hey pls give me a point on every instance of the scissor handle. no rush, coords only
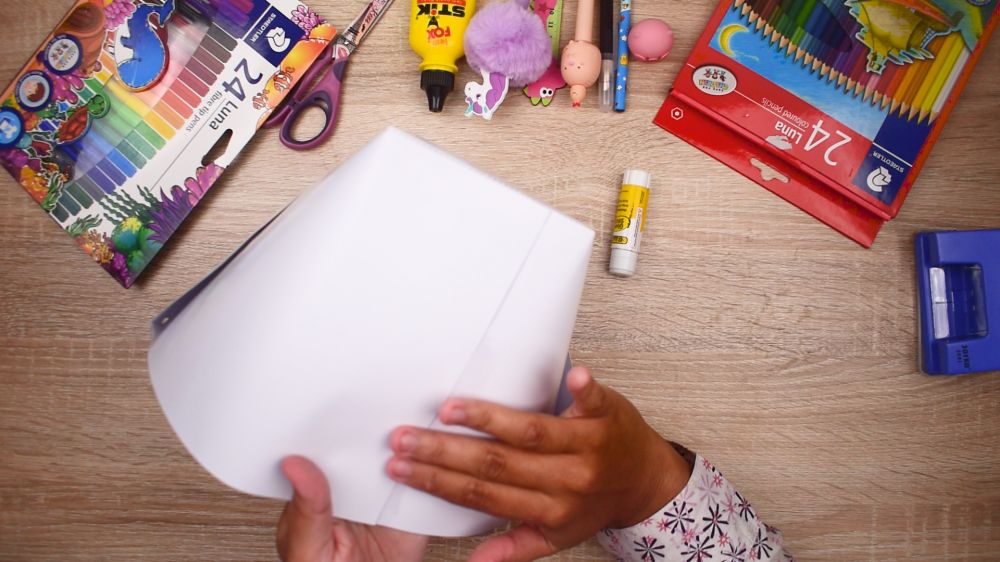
(326, 96)
(279, 115)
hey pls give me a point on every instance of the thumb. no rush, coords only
(590, 398)
(304, 531)
(521, 544)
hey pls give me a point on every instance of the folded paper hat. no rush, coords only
(403, 278)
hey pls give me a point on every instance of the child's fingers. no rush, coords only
(520, 544)
(535, 432)
(312, 492)
(304, 527)
(501, 500)
(590, 398)
(484, 459)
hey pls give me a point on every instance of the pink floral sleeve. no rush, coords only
(709, 521)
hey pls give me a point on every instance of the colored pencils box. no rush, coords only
(831, 104)
(109, 126)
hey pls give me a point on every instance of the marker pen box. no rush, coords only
(109, 126)
(958, 293)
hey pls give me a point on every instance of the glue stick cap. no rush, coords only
(634, 176)
(624, 257)
(623, 263)
(438, 84)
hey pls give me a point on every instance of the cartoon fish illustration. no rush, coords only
(485, 98)
(541, 91)
(141, 54)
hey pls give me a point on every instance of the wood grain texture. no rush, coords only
(752, 334)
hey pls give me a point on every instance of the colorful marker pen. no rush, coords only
(630, 221)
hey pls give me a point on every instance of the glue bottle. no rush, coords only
(630, 221)
(437, 29)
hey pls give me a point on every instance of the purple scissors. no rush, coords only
(321, 84)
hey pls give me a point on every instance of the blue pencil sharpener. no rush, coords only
(958, 292)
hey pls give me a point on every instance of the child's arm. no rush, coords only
(598, 466)
(708, 520)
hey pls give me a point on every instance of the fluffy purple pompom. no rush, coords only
(504, 37)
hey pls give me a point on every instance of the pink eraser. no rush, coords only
(650, 40)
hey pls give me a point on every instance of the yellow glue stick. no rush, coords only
(630, 221)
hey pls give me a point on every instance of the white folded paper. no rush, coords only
(403, 278)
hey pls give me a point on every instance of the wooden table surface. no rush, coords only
(752, 333)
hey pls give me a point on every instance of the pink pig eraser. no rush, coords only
(650, 40)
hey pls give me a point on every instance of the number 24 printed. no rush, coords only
(235, 86)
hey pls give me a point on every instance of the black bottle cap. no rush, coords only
(438, 84)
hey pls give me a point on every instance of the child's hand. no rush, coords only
(565, 478)
(307, 531)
